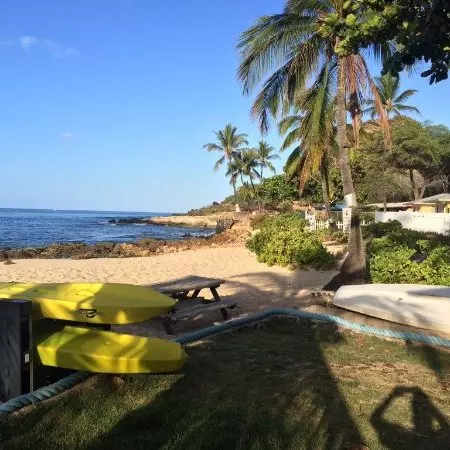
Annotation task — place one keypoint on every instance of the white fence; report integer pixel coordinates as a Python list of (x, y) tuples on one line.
[(434, 222), (325, 224)]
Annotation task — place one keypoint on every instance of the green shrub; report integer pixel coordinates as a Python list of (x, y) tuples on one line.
[(391, 257), (283, 240), (257, 222), (285, 206), (380, 229), (329, 235)]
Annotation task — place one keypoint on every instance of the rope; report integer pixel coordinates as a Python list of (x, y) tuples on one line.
[(68, 382), (43, 393)]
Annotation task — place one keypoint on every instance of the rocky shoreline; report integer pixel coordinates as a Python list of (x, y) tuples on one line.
[(228, 233), (187, 221)]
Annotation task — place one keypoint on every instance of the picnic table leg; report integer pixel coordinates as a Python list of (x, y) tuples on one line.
[(217, 299), (167, 324), (195, 293), (215, 294)]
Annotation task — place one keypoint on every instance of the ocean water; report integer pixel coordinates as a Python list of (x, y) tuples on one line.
[(38, 228)]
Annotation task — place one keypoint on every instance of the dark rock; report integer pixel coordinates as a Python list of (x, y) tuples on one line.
[(223, 225)]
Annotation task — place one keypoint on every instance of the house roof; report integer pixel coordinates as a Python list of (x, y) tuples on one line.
[(444, 197), (389, 205)]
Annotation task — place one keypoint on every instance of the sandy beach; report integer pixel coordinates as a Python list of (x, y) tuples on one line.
[(253, 285)]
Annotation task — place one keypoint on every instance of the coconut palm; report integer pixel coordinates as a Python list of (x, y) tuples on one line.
[(230, 143), (312, 128), (245, 165), (393, 101), (265, 156), (286, 53)]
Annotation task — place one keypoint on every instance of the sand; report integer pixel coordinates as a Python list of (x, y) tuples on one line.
[(252, 285)]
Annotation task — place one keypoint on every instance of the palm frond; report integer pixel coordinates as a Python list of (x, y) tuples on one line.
[(218, 163), (405, 95), (406, 108)]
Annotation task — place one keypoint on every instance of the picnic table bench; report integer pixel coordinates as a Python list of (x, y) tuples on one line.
[(186, 290)]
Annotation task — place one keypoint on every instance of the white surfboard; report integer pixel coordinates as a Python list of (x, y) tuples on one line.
[(409, 304)]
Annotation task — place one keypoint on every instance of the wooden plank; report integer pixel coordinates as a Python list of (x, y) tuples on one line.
[(189, 283)]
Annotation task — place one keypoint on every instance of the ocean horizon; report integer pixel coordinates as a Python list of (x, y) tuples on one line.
[(26, 227)]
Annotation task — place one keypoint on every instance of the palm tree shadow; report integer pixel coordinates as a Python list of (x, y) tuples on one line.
[(431, 428)]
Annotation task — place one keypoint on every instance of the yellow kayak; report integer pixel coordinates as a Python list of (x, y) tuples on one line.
[(107, 303), (106, 352)]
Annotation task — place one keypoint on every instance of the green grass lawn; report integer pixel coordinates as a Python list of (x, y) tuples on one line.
[(286, 385)]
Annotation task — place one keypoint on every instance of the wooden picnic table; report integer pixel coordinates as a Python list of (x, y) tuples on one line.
[(186, 290)]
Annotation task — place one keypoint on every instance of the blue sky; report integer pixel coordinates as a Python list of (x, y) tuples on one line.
[(106, 104)]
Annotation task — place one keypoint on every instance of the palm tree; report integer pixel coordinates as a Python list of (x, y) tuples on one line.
[(388, 88), (265, 157), (245, 165), (291, 49), (230, 143), (312, 127)]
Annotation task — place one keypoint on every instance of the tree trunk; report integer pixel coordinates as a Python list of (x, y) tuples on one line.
[(325, 187), (414, 188), (383, 180), (354, 265), (255, 194)]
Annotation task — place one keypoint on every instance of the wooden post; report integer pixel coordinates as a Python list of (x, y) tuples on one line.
[(16, 349)]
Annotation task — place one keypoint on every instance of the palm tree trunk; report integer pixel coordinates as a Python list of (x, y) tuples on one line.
[(383, 180), (262, 172), (325, 187), (354, 265), (255, 194)]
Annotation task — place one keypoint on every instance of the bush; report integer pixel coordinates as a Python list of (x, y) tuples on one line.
[(380, 229), (285, 206), (257, 222), (283, 240), (391, 257)]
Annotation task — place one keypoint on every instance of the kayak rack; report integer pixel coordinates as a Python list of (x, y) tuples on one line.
[(16, 349), (19, 374)]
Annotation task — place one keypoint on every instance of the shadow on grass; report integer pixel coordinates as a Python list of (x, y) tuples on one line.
[(430, 427), (274, 397)]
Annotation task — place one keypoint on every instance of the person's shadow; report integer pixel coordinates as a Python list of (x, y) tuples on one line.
[(431, 428)]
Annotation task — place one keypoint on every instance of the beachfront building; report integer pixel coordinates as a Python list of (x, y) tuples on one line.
[(439, 203)]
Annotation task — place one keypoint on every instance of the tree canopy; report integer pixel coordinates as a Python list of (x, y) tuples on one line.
[(420, 30)]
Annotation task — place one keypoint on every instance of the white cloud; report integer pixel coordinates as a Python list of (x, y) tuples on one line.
[(67, 136), (28, 43)]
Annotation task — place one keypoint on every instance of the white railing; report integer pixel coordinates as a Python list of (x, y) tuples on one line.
[(325, 224)]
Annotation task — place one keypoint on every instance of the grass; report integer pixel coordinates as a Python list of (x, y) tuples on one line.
[(287, 385)]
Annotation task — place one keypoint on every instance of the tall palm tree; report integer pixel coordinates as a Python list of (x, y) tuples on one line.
[(265, 156), (312, 127), (388, 88), (290, 49), (230, 143)]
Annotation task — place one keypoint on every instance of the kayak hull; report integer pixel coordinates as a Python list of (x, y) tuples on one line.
[(107, 352), (408, 304), (100, 303)]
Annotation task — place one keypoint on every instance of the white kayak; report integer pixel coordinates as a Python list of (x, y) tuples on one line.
[(409, 304)]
